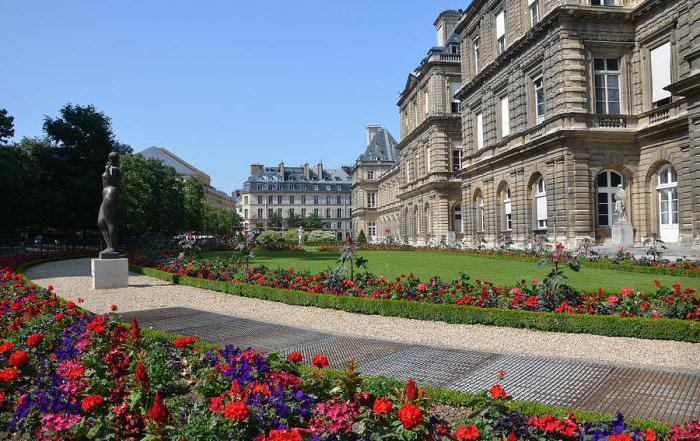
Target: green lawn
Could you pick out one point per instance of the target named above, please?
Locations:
(497, 270)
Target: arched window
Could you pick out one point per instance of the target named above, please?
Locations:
(457, 219)
(507, 211)
(667, 189)
(541, 204)
(608, 181)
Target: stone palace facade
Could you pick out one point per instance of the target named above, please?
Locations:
(300, 191)
(523, 120)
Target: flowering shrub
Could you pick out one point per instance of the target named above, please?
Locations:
(662, 301)
(68, 374)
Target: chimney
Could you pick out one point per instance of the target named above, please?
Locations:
(282, 170)
(307, 174)
(255, 169)
(372, 130)
(319, 171)
(445, 24)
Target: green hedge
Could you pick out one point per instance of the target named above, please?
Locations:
(608, 325)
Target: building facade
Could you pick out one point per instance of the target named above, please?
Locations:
(214, 197)
(299, 191)
(560, 102)
(415, 196)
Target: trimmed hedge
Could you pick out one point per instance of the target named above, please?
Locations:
(608, 325)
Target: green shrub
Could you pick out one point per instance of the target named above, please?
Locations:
(269, 236)
(613, 326)
(320, 236)
(361, 238)
(292, 235)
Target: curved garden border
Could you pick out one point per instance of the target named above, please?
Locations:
(607, 325)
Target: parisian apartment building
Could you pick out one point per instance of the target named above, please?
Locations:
(525, 117)
(299, 191)
(214, 197)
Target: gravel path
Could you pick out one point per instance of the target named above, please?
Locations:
(71, 279)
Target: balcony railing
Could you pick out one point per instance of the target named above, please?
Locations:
(444, 57)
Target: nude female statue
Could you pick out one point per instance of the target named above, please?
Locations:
(107, 218)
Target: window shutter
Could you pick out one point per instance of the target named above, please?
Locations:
(541, 207)
(500, 24)
(660, 71)
(505, 119)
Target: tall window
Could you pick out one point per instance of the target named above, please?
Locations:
(454, 102)
(479, 131)
(667, 189)
(426, 103)
(372, 229)
(539, 100)
(607, 185)
(315, 211)
(279, 199)
(245, 199)
(270, 199)
(534, 6)
(607, 85)
(245, 213)
(339, 213)
(477, 57)
(270, 212)
(338, 199)
(303, 212)
(260, 213)
(291, 198)
(303, 199)
(371, 199)
(457, 219)
(456, 158)
(541, 204)
(316, 200)
(370, 175)
(505, 116)
(328, 199)
(660, 74)
(507, 210)
(481, 213)
(501, 31)
(260, 199)
(328, 213)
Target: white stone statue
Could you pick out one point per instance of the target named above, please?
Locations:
(620, 203)
(301, 236)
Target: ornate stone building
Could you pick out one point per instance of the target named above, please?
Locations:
(563, 100)
(301, 191)
(413, 195)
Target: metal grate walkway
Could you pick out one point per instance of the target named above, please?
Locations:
(667, 395)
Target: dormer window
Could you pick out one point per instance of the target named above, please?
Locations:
(454, 49)
(534, 6)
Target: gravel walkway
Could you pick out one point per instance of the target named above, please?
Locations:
(71, 279)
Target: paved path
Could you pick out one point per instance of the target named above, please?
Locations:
(621, 383)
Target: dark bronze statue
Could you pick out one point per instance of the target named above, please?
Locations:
(107, 218)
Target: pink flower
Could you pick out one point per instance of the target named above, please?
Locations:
(613, 299)
(515, 291)
(626, 291)
(421, 286)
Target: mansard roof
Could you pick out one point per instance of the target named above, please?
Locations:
(381, 148)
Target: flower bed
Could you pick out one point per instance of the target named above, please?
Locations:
(661, 302)
(68, 374)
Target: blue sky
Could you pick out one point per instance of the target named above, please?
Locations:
(220, 83)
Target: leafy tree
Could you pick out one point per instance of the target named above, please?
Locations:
(18, 178)
(152, 197)
(294, 220)
(193, 196)
(274, 220)
(219, 221)
(7, 126)
(313, 222)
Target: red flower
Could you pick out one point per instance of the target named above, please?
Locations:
(18, 358)
(382, 406)
(7, 347)
(90, 401)
(421, 286)
(296, 357)
(319, 361)
(8, 374)
(497, 392)
(410, 416)
(34, 339)
(70, 305)
(512, 437)
(236, 410)
(410, 392)
(58, 317)
(113, 307)
(620, 437)
(613, 299)
(182, 342)
(467, 432)
(626, 291)
(284, 435)
(158, 412)
(650, 435)
(501, 373)
(135, 332)
(141, 376)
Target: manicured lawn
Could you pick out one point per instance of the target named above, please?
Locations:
(497, 270)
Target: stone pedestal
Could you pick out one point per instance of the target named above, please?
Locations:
(622, 234)
(110, 273)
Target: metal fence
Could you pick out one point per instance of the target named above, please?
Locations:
(19, 246)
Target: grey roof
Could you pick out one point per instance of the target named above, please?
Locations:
(296, 174)
(167, 158)
(382, 147)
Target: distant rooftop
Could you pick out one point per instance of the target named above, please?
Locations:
(381, 147)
